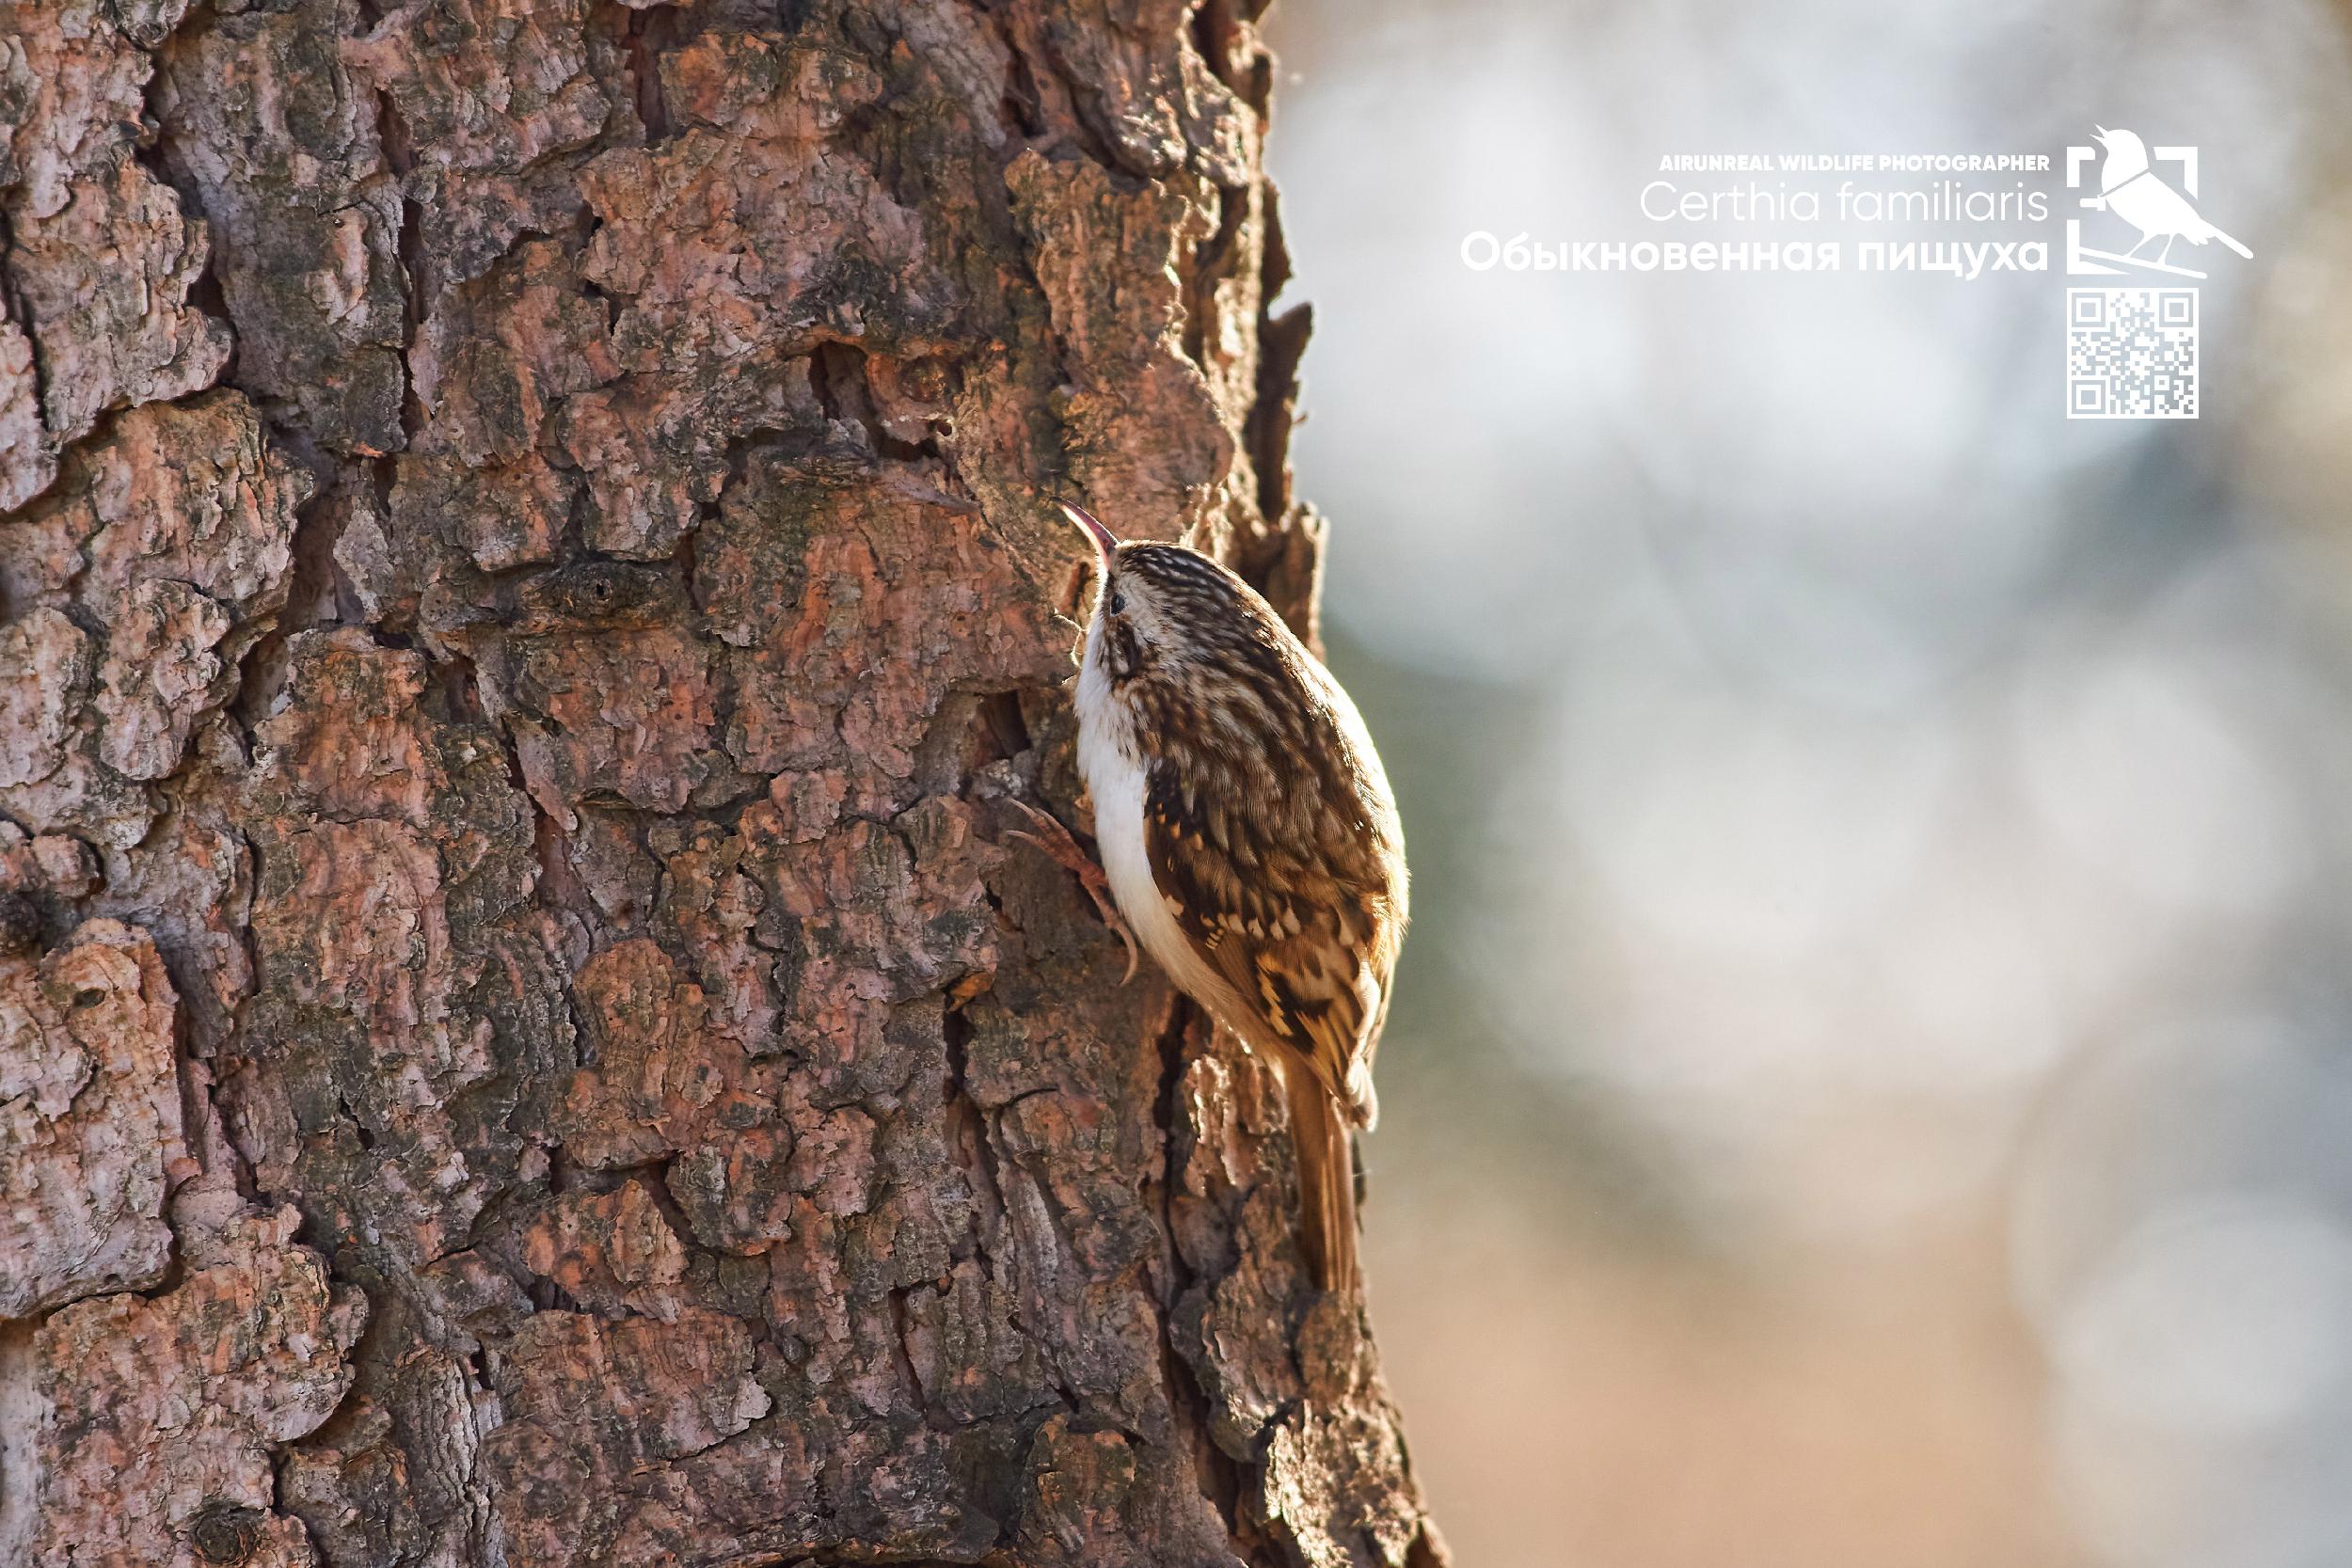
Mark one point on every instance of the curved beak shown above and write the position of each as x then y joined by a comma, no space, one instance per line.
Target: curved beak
2099,135
1104,539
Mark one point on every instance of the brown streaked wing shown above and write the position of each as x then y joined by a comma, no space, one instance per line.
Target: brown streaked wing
1288,937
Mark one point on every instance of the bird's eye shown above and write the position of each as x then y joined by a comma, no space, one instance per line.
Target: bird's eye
1118,602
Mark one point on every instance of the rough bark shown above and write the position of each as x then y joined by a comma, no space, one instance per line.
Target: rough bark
525,1035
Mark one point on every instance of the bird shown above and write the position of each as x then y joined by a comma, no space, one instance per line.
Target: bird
2131,190
1250,840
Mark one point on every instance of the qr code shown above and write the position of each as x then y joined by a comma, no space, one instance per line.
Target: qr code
2131,354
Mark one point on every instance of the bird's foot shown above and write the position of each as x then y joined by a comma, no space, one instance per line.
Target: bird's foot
1062,850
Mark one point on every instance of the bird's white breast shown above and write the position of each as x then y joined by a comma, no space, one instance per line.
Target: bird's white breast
1111,761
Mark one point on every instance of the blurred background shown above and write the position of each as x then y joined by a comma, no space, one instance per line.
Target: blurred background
1872,1079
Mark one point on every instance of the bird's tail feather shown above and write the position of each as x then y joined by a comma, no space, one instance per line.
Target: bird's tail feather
2232,244
1327,1180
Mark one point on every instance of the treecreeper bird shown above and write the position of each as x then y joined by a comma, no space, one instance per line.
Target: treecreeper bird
1250,840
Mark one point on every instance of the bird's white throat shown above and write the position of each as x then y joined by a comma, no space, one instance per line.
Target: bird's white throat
1111,760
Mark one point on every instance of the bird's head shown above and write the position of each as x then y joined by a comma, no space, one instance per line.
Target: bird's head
1165,606
2124,146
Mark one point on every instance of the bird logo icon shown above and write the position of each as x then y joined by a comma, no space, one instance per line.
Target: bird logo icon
2130,187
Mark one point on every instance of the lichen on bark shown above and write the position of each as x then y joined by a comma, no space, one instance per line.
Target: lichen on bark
528,1033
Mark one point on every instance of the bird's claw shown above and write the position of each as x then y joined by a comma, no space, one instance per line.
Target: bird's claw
1054,841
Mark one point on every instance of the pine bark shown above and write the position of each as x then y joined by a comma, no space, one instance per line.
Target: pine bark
527,603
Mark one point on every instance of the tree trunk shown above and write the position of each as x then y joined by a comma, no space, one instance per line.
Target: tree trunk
526,1033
